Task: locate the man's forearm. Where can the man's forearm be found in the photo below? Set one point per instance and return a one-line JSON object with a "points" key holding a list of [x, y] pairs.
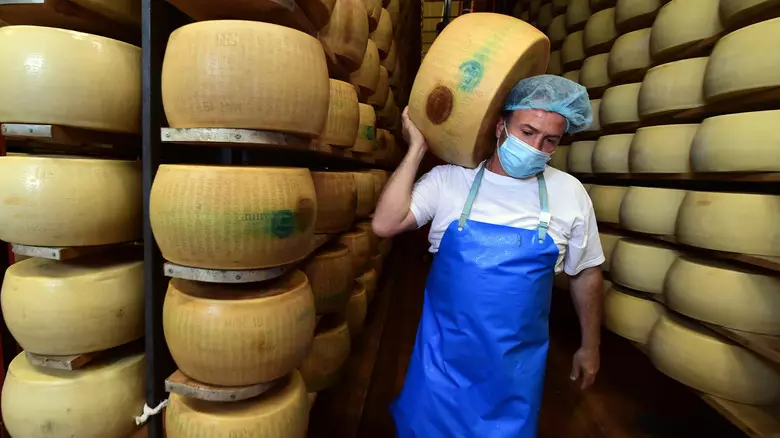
{"points": [[587, 294], [393, 206]]}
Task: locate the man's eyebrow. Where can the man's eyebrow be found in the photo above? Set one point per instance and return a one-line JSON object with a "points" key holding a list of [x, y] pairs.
{"points": [[536, 131]]}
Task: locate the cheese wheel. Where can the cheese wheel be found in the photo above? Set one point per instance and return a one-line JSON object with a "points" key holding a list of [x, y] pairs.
{"points": [[346, 34], [367, 76], [681, 24], [724, 295], [364, 184], [630, 316], [369, 281], [620, 105], [641, 265], [651, 210], [359, 245], [600, 32], [380, 179], [336, 201], [595, 125], [580, 157], [330, 276], [373, 239], [317, 11], [375, 11], [341, 126], [672, 87], [610, 153], [744, 61], [356, 310], [635, 14], [577, 14], [45, 70], [662, 149], [597, 5], [714, 148], [65, 201], [383, 34], [239, 335], [545, 16], [322, 367], [123, 11], [556, 32], [606, 202], [394, 9], [366, 138], [220, 217], [587, 187], [560, 158], [608, 242], [559, 5], [696, 357], [462, 82], [630, 55], [554, 67], [534, 8], [312, 398], [573, 50], [379, 98], [573, 75], [736, 12], [281, 412], [389, 61], [54, 308], [97, 401], [254, 84], [733, 222], [375, 261]]}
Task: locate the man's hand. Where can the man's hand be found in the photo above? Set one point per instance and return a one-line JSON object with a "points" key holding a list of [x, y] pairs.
{"points": [[586, 365], [414, 138]]}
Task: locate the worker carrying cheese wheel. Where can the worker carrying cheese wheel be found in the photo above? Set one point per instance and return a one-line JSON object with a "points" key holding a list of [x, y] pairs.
{"points": [[500, 233]]}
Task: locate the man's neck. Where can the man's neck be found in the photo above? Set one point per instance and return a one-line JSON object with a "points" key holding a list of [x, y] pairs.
{"points": [[494, 165]]}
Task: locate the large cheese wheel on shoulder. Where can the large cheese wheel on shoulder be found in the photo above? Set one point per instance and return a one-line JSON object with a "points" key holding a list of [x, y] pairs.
{"points": [[255, 84], [573, 50], [357, 308], [595, 125], [45, 70], [364, 184], [367, 76], [630, 55], [369, 281], [366, 138], [97, 401], [732, 222], [282, 411], [593, 74], [221, 217], [389, 61], [379, 98], [736, 12], [573, 75], [600, 32], [662, 149], [341, 126], [606, 202], [464, 79], [383, 34], [698, 358], [346, 34], [560, 158], [744, 61], [610, 154], [580, 157], [545, 16], [620, 105], [681, 24], [672, 87], [330, 274], [74, 307], [236, 335], [651, 210], [608, 242], [714, 148], [554, 67], [724, 295], [630, 316], [577, 14], [68, 201], [322, 366], [374, 10], [336, 201], [635, 14], [641, 265], [556, 32], [359, 244]]}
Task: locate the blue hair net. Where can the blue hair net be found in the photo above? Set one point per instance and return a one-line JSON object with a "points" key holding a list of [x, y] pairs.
{"points": [[555, 94]]}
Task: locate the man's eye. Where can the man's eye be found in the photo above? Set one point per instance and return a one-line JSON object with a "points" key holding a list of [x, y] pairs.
{"points": [[528, 133]]}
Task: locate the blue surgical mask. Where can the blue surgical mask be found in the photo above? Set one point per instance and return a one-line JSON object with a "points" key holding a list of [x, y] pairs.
{"points": [[519, 159]]}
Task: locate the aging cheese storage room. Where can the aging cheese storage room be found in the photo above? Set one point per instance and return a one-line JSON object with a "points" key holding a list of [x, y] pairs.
{"points": [[193, 196]]}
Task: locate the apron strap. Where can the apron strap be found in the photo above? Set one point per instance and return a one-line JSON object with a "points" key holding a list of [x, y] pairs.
{"points": [[464, 214]]}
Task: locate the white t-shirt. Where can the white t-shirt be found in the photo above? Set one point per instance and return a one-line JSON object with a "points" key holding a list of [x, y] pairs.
{"points": [[440, 195]]}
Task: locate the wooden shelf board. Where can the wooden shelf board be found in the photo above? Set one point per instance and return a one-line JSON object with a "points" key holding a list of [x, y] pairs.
{"points": [[66, 362], [62, 253], [281, 12], [767, 346], [67, 139], [180, 384]]}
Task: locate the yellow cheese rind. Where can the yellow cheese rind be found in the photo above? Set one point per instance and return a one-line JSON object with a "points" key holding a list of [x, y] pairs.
{"points": [[560, 5], [620, 105], [545, 16], [608, 242], [68, 201], [580, 157], [630, 316], [610, 153], [45, 70], [330, 276], [359, 244], [97, 401], [560, 158], [394, 9], [681, 24], [573, 75], [390, 60], [373, 239], [556, 32], [329, 350], [600, 32], [336, 201], [226, 74], [641, 265], [375, 262], [662, 149], [239, 335], [672, 87], [341, 126], [346, 34], [54, 308], [714, 146], [697, 358], [366, 138], [736, 12], [732, 222], [573, 50], [593, 74], [461, 84], [744, 61], [595, 126], [630, 55], [218, 217], [606, 202], [283, 411], [364, 184], [554, 67], [577, 14], [379, 98], [651, 210], [367, 76], [369, 281], [380, 179], [635, 14], [383, 34], [374, 10], [357, 309]]}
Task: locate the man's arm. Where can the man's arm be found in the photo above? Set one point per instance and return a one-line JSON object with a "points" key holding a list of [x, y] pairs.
{"points": [[587, 294]]}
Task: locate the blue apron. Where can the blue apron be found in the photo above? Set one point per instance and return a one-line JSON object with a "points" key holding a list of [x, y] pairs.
{"points": [[478, 364]]}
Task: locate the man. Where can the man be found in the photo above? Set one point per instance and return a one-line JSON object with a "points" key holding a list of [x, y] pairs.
{"points": [[500, 232]]}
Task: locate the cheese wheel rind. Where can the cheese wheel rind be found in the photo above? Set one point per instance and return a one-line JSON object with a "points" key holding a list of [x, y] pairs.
{"points": [[573, 50], [672, 87], [635, 14], [577, 14], [606, 202], [359, 243], [641, 266], [383, 34], [651, 210], [336, 201], [346, 34], [580, 157], [554, 67], [379, 98], [736, 12], [369, 280], [366, 138], [573, 75], [357, 307], [630, 54], [364, 184], [608, 242], [330, 276], [620, 105], [556, 32], [593, 74], [560, 158], [662, 149], [341, 126], [610, 153], [600, 31], [367, 76], [714, 146], [681, 24], [630, 316], [322, 366]]}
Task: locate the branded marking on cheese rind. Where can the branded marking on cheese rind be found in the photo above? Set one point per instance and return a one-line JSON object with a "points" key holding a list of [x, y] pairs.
{"points": [[439, 105], [471, 72]]}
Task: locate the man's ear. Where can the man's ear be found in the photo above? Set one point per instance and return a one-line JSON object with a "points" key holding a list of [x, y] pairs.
{"points": [[500, 127]]}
